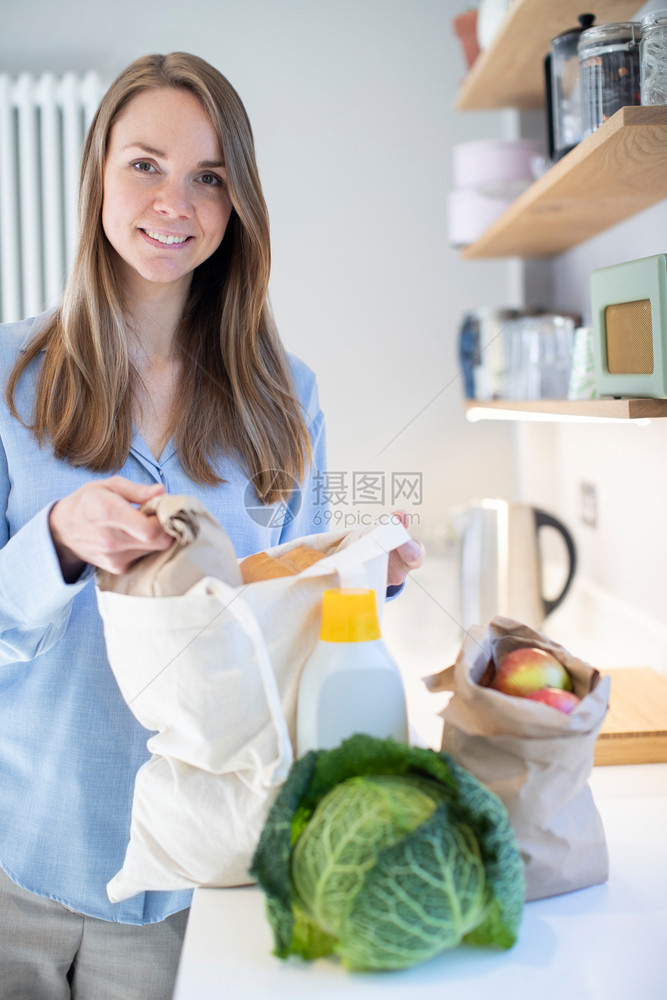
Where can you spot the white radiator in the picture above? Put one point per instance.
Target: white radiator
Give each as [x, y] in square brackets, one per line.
[43, 121]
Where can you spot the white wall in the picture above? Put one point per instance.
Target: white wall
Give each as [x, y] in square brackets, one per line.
[627, 552]
[352, 107]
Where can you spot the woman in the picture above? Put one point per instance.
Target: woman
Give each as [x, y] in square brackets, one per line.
[161, 370]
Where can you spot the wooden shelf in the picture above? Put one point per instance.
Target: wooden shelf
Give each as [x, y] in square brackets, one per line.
[510, 73]
[619, 170]
[566, 409]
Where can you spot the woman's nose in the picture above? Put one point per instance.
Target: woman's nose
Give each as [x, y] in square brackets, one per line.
[173, 198]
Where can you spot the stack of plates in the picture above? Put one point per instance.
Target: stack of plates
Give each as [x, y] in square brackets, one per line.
[488, 175]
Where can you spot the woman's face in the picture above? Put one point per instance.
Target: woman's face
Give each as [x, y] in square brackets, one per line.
[166, 205]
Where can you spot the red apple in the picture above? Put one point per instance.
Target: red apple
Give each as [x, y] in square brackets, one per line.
[564, 701]
[529, 669]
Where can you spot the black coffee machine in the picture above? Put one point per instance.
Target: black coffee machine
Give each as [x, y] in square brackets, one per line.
[563, 98]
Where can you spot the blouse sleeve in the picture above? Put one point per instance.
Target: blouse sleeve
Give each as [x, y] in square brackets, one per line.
[308, 505]
[35, 601]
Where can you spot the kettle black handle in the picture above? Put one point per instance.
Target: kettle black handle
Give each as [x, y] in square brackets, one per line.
[544, 520]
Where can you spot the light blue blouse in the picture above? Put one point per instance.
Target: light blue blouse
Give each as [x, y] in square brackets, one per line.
[69, 746]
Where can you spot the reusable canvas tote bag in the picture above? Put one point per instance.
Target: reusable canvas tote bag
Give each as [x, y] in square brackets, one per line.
[212, 667]
[536, 759]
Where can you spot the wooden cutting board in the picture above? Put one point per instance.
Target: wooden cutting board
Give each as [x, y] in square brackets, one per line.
[635, 727]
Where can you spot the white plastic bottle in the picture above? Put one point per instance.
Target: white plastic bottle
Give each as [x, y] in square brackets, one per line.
[350, 683]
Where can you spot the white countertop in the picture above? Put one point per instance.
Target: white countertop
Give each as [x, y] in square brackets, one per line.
[608, 942]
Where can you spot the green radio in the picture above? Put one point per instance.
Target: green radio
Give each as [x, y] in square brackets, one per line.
[629, 320]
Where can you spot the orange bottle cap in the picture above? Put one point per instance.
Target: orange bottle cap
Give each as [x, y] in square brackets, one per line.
[349, 616]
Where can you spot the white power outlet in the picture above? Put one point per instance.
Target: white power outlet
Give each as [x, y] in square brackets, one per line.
[589, 504]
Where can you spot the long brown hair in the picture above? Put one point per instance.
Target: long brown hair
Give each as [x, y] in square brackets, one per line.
[236, 393]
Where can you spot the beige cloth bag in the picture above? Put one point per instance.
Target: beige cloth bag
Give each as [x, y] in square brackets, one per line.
[213, 666]
[536, 759]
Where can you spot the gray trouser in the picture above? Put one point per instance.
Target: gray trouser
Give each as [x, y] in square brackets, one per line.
[49, 952]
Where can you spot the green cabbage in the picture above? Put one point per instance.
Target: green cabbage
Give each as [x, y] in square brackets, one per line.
[385, 855]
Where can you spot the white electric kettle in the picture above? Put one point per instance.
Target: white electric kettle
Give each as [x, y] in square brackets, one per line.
[501, 568]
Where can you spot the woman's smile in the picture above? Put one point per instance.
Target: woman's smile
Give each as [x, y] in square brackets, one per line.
[165, 239]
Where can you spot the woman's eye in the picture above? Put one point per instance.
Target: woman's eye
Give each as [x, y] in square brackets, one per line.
[210, 180]
[143, 166]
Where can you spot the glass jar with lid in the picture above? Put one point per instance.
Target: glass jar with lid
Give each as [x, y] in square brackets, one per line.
[653, 58]
[608, 71]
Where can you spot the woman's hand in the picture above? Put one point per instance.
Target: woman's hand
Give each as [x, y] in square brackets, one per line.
[100, 524]
[406, 557]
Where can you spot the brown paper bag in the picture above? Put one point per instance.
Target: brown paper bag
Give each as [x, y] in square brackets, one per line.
[201, 548]
[535, 758]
